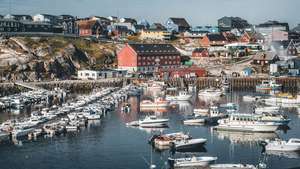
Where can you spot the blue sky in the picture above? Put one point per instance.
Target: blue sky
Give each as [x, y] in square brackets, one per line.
[197, 12]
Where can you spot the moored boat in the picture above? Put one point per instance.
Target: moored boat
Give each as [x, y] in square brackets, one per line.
[191, 161]
[292, 144]
[246, 122]
[269, 85]
[232, 166]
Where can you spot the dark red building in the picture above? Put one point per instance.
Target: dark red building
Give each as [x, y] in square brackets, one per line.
[199, 53]
[148, 57]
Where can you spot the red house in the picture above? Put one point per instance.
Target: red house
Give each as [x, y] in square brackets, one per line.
[199, 53]
[188, 72]
[148, 57]
[89, 28]
[213, 40]
[252, 37]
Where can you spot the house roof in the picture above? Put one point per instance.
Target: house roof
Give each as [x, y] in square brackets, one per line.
[230, 36]
[86, 24]
[216, 37]
[180, 22]
[157, 26]
[199, 50]
[128, 20]
[255, 35]
[265, 56]
[154, 49]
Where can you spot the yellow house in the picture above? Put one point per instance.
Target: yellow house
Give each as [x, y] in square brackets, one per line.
[155, 34]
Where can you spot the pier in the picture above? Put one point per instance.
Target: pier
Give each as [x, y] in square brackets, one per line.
[236, 83]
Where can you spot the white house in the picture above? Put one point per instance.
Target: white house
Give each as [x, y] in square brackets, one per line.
[102, 74]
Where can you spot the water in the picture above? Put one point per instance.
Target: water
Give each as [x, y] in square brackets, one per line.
[109, 144]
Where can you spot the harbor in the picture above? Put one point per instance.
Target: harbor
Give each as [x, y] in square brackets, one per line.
[102, 142]
[118, 122]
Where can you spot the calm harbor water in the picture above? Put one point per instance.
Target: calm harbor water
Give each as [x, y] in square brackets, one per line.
[109, 144]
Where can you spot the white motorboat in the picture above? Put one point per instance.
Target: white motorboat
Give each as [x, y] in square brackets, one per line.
[232, 166]
[153, 121]
[188, 143]
[191, 162]
[292, 144]
[182, 96]
[210, 92]
[246, 122]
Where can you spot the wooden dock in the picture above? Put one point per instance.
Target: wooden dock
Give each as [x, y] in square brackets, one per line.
[237, 83]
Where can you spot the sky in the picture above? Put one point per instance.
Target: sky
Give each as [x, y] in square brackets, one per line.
[197, 12]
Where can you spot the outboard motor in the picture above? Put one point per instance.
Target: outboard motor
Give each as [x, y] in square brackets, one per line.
[171, 162]
[173, 149]
[151, 140]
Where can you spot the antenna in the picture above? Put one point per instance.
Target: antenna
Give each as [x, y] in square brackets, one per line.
[9, 6]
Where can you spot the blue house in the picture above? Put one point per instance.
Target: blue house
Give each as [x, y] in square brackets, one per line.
[210, 29]
[177, 25]
[247, 71]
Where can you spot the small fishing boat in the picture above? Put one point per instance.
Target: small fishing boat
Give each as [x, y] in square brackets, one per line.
[269, 85]
[191, 162]
[182, 96]
[269, 109]
[194, 119]
[210, 92]
[249, 98]
[167, 139]
[232, 166]
[201, 112]
[292, 144]
[157, 103]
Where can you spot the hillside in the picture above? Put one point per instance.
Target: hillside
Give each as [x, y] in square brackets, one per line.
[51, 58]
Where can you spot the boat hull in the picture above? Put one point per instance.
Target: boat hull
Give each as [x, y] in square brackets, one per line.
[248, 128]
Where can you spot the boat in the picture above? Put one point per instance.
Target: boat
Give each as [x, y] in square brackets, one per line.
[292, 144]
[126, 108]
[232, 166]
[188, 143]
[269, 109]
[21, 131]
[182, 96]
[201, 112]
[249, 98]
[269, 85]
[246, 122]
[214, 115]
[167, 139]
[158, 103]
[153, 121]
[4, 136]
[210, 92]
[191, 161]
[194, 119]
[92, 115]
[277, 118]
[239, 137]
